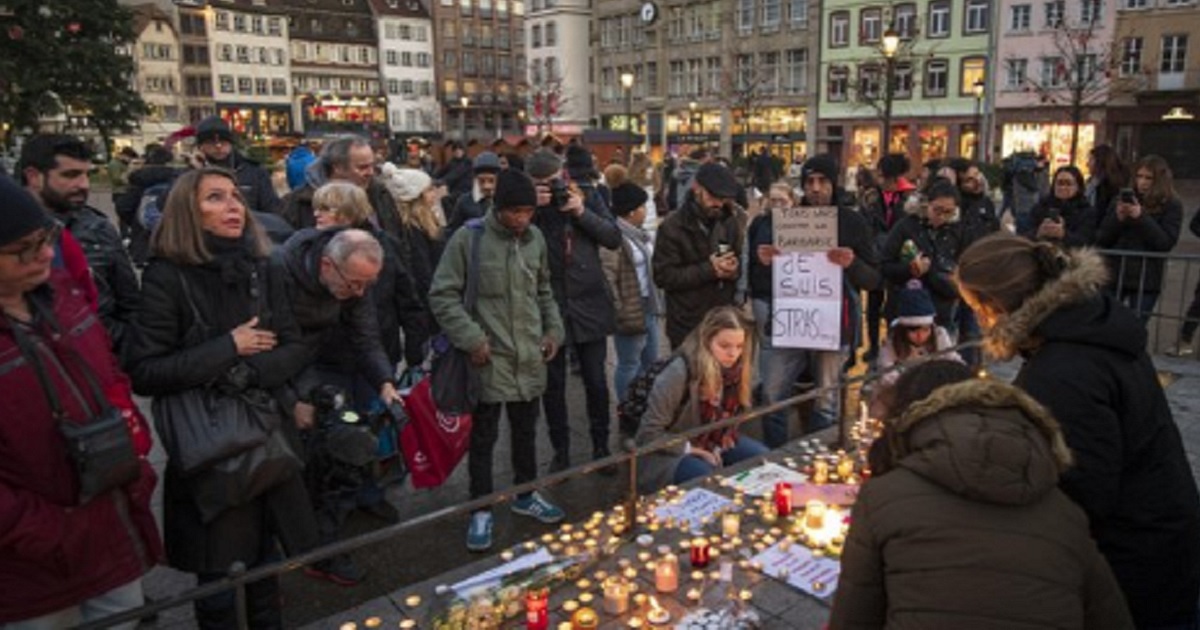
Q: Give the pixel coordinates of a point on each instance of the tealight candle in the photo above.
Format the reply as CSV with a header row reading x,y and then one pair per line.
x,y
408,624
616,596
584,584
745,595
636,622
697,576
586,598
412,601
349,625
731,522
693,594
814,514
373,622
506,555
565,625
820,471
666,574
570,605
643,556
657,615
769,513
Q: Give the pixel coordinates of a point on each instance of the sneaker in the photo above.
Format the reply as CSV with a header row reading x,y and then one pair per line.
x,y
1181,349
560,462
340,570
479,533
537,507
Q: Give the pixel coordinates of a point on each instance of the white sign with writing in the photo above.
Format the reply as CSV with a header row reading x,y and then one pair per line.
x,y
807,306
805,228
761,481
693,508
797,566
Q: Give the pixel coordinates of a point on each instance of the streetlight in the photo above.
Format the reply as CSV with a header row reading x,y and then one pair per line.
x,y
891,43
977,88
462,117
627,84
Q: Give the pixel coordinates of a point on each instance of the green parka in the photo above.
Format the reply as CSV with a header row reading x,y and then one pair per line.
x,y
514,311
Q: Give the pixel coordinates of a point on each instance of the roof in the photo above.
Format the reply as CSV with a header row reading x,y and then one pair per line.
x,y
146,14
399,8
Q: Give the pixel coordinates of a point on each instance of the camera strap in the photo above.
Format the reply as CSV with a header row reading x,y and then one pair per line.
x,y
30,353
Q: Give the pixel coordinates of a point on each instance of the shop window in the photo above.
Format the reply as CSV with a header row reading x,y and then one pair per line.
x,y
939,19
973,71
864,145
839,29
934,139
967,139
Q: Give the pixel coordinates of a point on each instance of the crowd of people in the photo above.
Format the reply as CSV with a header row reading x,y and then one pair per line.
x,y
530,265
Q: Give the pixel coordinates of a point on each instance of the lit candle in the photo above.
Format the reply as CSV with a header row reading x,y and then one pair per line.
x,y
769,514
373,622
570,605
636,622
745,595
783,498
700,553
616,596
537,609
697,576
666,574
820,471
731,522
349,625
845,466
412,601
693,595
586,598
408,624
584,584
506,555
814,514
657,615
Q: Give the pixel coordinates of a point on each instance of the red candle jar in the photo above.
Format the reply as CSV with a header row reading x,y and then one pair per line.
x,y
699,553
783,498
537,609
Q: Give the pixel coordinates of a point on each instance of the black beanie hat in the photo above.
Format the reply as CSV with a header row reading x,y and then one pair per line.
x,y
23,215
213,128
823,164
579,163
914,306
628,197
514,189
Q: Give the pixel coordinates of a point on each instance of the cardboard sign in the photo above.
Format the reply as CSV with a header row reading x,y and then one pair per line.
x,y
807,307
805,229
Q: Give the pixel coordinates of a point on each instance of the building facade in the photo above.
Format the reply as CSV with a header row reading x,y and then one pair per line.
x,y
335,68
1054,65
559,77
936,111
251,73
733,75
480,57
156,55
1156,105
405,35
195,63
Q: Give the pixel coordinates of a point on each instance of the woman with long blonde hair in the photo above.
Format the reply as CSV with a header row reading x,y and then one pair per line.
x,y
422,224
708,380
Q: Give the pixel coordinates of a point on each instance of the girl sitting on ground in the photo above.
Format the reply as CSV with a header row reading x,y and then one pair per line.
x,y
708,381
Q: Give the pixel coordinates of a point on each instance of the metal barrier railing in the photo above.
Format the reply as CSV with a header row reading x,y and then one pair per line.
x,y
1165,308
239,576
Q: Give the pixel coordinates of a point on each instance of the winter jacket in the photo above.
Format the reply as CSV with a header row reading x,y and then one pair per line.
x,y
978,216
890,209
968,529
172,355
469,206
55,553
682,269
332,329
862,275
398,307
622,276
128,204
1079,220
887,355
1154,231
680,183
673,406
578,281
942,245
457,174
515,309
254,182
112,271
1085,360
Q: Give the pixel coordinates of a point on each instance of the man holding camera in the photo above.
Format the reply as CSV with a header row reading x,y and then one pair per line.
x,y
576,226
698,251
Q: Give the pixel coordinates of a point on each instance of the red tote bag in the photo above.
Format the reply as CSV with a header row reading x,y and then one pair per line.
x,y
433,442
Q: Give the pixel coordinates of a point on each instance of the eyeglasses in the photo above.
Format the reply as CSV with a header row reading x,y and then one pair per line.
x,y
943,212
355,286
31,249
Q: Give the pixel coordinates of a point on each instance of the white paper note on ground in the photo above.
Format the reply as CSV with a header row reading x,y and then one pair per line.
x,y
492,577
761,481
801,567
693,508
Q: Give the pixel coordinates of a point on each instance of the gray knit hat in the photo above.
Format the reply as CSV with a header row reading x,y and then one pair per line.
x,y
542,164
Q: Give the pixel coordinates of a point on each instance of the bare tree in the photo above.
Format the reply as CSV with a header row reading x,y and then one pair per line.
x,y
745,81
549,100
1077,74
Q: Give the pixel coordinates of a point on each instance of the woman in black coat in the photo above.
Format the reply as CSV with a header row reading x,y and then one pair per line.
x,y
209,257
1064,216
1085,359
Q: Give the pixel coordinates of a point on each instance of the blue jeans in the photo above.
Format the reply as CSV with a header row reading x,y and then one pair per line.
x,y
692,467
635,353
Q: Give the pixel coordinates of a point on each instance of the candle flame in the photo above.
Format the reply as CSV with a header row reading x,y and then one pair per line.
x,y
654,603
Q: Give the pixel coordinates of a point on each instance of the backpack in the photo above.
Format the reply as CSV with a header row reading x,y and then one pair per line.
x,y
633,406
149,210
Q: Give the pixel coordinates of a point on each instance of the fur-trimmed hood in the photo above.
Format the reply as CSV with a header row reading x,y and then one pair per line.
x,y
1074,296
981,439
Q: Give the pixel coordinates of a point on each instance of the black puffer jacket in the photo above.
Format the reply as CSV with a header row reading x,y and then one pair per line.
x,y
458,175
112,271
580,288
682,269
942,245
1085,360
1079,219
331,328
254,182
1154,231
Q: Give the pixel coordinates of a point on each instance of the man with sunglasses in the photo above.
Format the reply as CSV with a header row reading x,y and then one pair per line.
x,y
55,169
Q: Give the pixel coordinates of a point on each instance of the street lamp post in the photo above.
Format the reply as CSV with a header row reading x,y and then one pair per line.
x,y
891,43
977,88
627,85
462,118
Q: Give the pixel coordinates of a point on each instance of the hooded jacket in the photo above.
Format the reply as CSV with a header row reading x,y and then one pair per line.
x,y
514,310
967,529
1085,360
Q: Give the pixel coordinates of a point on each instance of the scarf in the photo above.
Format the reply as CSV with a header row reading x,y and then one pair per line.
x,y
727,406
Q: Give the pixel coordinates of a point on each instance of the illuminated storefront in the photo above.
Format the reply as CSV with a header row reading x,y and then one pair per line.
x,y
782,130
333,114
859,141
257,120
1052,139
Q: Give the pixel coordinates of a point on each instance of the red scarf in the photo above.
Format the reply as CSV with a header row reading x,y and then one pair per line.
x,y
728,406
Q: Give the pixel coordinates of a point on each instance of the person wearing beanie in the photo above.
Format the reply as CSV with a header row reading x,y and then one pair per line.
x,y
577,224
697,256
913,334
635,297
478,201
54,168
215,147
456,172
422,226
511,334
111,539
857,255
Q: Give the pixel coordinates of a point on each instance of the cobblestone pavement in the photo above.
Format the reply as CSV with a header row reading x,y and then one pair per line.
x,y
440,547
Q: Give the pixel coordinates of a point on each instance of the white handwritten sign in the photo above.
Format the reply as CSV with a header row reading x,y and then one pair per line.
x,y
693,508
761,481
800,569
807,307
805,228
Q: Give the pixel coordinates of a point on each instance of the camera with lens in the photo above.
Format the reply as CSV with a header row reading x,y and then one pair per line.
x,y
342,447
560,193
